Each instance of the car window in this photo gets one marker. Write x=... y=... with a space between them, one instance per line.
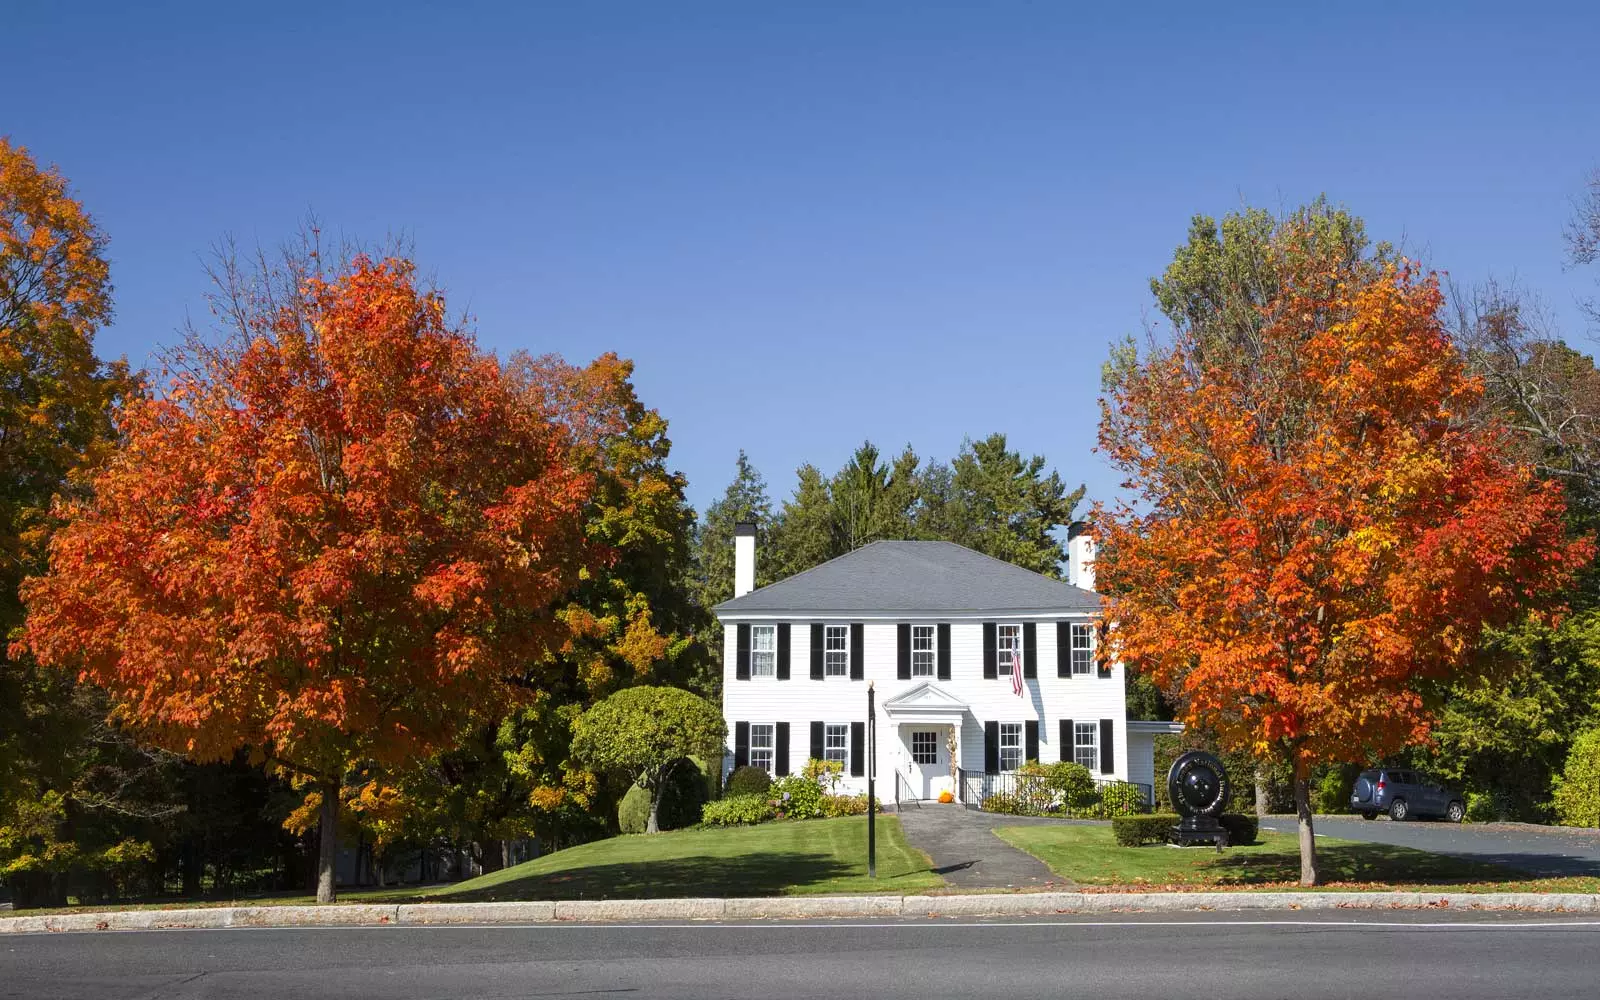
x=1369 y=775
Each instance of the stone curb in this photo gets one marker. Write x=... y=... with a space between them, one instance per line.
x=784 y=908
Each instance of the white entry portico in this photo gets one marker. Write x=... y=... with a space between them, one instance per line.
x=928 y=721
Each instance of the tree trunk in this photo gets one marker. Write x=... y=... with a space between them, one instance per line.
x=505 y=854
x=1261 y=791
x=654 y=825
x=1308 y=838
x=328 y=855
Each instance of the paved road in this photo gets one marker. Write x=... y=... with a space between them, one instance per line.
x=964 y=849
x=1201 y=956
x=1543 y=850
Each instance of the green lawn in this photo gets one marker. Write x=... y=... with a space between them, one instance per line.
x=773 y=859
x=1089 y=856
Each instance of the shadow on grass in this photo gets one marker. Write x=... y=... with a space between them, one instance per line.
x=1356 y=863
x=764 y=874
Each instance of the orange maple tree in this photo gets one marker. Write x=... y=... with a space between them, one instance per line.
x=1321 y=523
x=340 y=537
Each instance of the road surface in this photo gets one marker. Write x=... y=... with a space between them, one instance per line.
x=1340 y=955
x=1542 y=850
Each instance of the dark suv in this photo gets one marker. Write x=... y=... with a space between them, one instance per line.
x=1404 y=793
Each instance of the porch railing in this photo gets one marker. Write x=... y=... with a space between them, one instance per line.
x=1029 y=794
x=903 y=792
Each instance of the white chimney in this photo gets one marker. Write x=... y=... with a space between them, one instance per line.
x=744 y=558
x=1080 y=556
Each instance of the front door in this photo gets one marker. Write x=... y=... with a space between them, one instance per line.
x=928 y=761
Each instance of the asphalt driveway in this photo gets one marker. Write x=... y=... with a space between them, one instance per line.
x=1541 y=850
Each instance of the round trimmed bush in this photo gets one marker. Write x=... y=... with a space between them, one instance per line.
x=681 y=801
x=633 y=812
x=748 y=781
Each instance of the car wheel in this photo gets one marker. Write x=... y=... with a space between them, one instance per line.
x=1456 y=812
x=1398 y=810
x=1369 y=815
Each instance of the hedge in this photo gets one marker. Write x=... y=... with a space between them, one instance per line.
x=1136 y=831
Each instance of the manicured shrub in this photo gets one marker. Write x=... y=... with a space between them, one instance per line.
x=1241 y=829
x=738 y=810
x=1577 y=797
x=748 y=781
x=1138 y=830
x=796 y=797
x=844 y=805
x=633 y=812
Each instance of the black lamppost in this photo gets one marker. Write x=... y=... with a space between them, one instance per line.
x=872 y=772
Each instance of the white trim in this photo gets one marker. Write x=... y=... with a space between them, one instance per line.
x=835 y=614
x=1154 y=728
x=845 y=651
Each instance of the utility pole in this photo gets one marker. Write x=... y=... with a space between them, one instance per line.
x=872 y=772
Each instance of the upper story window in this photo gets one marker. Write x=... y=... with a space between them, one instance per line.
x=836 y=651
x=1086 y=745
x=1010 y=746
x=1082 y=649
x=1008 y=649
x=762 y=743
x=922 y=652
x=763 y=651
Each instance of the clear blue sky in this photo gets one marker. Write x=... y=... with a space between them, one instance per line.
x=815 y=223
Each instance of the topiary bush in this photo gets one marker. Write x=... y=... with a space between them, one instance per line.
x=1241 y=829
x=748 y=781
x=1138 y=830
x=738 y=810
x=633 y=812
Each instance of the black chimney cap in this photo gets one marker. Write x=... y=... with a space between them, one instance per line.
x=744 y=529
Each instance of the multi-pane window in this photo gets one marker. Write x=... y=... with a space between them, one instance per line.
x=1082 y=649
x=1010 y=746
x=1086 y=744
x=762 y=743
x=1008 y=649
x=922 y=652
x=763 y=651
x=836 y=744
x=925 y=747
x=836 y=650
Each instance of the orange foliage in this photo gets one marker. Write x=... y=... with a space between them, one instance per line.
x=1320 y=528
x=339 y=539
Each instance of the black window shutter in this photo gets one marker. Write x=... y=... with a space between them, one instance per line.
x=818 y=750
x=1030 y=651
x=1063 y=649
x=1030 y=740
x=741 y=670
x=816 y=651
x=783 y=651
x=780 y=750
x=1108 y=756
x=902 y=653
x=858 y=668
x=991 y=748
x=1068 y=749
x=991 y=668
x=741 y=744
x=944 y=651
x=858 y=749
x=1105 y=665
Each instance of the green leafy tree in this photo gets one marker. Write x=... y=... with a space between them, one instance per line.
x=745 y=499
x=642 y=733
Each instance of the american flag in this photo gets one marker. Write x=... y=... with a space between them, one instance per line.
x=1016 y=664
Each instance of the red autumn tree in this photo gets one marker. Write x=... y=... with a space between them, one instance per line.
x=339 y=537
x=1318 y=530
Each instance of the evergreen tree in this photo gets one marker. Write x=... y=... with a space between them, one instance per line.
x=744 y=500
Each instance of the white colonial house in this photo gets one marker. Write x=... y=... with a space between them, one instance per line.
x=977 y=665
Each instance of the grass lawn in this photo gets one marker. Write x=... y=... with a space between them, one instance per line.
x=1089 y=856
x=773 y=859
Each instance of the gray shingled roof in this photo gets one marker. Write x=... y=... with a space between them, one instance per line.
x=931 y=577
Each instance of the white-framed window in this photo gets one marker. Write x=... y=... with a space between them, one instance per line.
x=1007 y=649
x=763 y=651
x=1086 y=745
x=1010 y=746
x=923 y=655
x=836 y=743
x=763 y=743
x=836 y=651
x=924 y=747
x=1082 y=649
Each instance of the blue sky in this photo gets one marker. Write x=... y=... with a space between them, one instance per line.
x=809 y=224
